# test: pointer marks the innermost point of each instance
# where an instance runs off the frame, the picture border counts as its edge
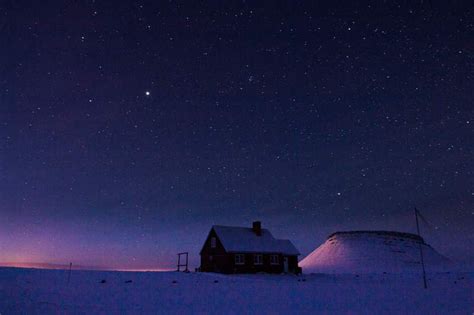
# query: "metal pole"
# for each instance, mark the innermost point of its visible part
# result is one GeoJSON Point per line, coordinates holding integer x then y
{"type": "Point", "coordinates": [421, 250]}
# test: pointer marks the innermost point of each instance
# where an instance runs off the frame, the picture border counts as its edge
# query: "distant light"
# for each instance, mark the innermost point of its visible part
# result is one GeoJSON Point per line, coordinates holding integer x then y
{"type": "Point", "coordinates": [147, 93]}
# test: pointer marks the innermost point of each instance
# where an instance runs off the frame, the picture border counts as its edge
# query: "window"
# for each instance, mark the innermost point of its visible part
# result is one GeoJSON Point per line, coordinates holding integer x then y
{"type": "Point", "coordinates": [239, 259]}
{"type": "Point", "coordinates": [213, 242]}
{"type": "Point", "coordinates": [274, 260]}
{"type": "Point", "coordinates": [257, 259]}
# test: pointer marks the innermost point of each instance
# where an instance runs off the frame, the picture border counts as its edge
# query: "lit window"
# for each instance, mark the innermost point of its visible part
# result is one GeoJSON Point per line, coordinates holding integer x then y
{"type": "Point", "coordinates": [239, 259]}
{"type": "Point", "coordinates": [213, 242]}
{"type": "Point", "coordinates": [257, 259]}
{"type": "Point", "coordinates": [274, 260]}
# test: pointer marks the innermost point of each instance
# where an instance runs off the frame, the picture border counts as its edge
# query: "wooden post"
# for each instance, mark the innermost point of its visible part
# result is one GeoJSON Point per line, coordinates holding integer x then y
{"type": "Point", "coordinates": [186, 263]}
{"type": "Point", "coordinates": [69, 275]}
{"type": "Point", "coordinates": [421, 250]}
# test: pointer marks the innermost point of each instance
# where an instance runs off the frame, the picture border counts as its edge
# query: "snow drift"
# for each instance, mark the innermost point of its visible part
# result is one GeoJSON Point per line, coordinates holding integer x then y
{"type": "Point", "coordinates": [373, 252]}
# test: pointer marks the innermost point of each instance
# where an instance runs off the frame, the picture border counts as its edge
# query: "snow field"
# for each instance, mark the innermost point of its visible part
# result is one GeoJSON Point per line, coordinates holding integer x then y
{"type": "Point", "coordinates": [36, 291]}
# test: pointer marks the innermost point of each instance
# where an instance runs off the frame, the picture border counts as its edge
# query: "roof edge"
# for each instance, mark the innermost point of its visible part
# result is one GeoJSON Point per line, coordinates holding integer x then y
{"type": "Point", "coordinates": [260, 252]}
{"type": "Point", "coordinates": [381, 233]}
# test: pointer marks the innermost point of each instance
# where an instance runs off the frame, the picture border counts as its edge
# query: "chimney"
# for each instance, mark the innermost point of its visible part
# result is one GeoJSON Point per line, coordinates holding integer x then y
{"type": "Point", "coordinates": [257, 227]}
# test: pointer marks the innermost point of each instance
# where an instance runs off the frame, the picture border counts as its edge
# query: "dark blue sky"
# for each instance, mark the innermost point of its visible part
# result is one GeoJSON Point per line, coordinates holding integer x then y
{"type": "Point", "coordinates": [127, 129]}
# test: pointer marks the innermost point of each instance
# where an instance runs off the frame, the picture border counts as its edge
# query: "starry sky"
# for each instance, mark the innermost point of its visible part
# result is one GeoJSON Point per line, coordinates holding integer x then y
{"type": "Point", "coordinates": [129, 128]}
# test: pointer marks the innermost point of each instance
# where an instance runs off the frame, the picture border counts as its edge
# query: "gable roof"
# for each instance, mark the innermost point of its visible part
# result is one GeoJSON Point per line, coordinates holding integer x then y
{"type": "Point", "coordinates": [244, 240]}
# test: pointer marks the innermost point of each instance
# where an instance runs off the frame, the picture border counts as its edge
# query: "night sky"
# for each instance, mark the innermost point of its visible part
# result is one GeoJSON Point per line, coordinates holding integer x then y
{"type": "Point", "coordinates": [129, 128]}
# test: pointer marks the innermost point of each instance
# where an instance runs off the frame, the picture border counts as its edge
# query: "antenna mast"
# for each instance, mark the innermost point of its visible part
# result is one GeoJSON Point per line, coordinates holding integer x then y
{"type": "Point", "coordinates": [421, 249]}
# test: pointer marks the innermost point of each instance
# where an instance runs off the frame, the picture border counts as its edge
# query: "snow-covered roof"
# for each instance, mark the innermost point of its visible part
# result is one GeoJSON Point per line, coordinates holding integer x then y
{"type": "Point", "coordinates": [380, 233]}
{"type": "Point", "coordinates": [245, 240]}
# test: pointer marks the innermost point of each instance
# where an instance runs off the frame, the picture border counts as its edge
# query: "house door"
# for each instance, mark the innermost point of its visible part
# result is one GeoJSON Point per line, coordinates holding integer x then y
{"type": "Point", "coordinates": [285, 264]}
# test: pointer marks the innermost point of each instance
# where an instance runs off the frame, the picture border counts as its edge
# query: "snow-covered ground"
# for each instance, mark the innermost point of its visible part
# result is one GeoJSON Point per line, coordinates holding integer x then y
{"type": "Point", "coordinates": [37, 291]}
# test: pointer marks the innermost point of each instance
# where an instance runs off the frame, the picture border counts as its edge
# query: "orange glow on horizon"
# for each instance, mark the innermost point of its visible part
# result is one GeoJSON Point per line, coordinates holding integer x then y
{"type": "Point", "coordinates": [54, 266]}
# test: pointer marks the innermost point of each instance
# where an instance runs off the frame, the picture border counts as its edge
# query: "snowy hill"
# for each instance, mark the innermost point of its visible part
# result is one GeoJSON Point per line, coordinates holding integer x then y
{"type": "Point", "coordinates": [373, 252]}
{"type": "Point", "coordinates": [36, 291]}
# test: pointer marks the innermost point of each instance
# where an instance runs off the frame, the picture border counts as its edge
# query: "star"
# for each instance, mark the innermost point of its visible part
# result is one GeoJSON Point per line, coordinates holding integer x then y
{"type": "Point", "coordinates": [238, 126]}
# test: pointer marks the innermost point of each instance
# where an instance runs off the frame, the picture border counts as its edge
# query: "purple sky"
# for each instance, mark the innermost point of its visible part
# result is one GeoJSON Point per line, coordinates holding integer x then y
{"type": "Point", "coordinates": [128, 129]}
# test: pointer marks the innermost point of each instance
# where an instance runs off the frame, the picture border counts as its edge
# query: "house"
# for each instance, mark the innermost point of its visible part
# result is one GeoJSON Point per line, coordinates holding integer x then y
{"type": "Point", "coordinates": [230, 249]}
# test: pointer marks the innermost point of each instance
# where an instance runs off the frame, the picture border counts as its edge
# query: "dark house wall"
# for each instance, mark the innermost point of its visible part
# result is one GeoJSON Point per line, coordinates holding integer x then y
{"type": "Point", "coordinates": [218, 260]}
{"type": "Point", "coordinates": [214, 259]}
{"type": "Point", "coordinates": [250, 267]}
{"type": "Point", "coordinates": [293, 264]}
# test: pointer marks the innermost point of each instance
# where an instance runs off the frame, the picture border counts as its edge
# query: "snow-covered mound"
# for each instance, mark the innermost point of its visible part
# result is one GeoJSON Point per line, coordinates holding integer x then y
{"type": "Point", "coordinates": [373, 252]}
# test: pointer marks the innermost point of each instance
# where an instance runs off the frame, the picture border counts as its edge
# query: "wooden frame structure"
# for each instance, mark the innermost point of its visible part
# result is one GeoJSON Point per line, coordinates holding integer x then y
{"type": "Point", "coordinates": [185, 264]}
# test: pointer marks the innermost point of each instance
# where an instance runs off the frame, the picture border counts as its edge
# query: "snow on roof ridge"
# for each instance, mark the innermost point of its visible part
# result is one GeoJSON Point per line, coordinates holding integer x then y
{"type": "Point", "coordinates": [234, 227]}
{"type": "Point", "coordinates": [379, 232]}
{"type": "Point", "coordinates": [243, 239]}
{"type": "Point", "coordinates": [241, 228]}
